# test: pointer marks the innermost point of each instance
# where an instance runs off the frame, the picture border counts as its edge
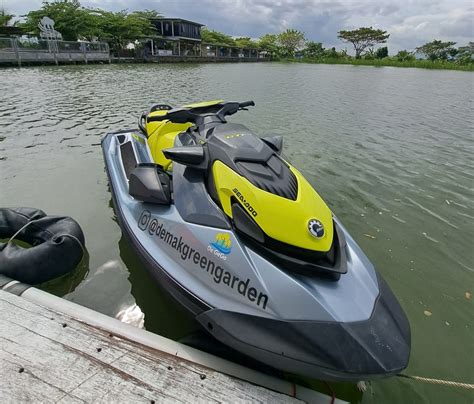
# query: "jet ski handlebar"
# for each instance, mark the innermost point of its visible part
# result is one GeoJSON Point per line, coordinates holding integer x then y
{"type": "Point", "coordinates": [203, 115]}
{"type": "Point", "coordinates": [246, 104]}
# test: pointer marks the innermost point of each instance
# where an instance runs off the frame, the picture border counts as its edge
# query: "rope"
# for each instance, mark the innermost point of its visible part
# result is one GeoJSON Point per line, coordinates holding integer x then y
{"type": "Point", "coordinates": [19, 231]}
{"type": "Point", "coordinates": [59, 235]}
{"type": "Point", "coordinates": [76, 239]}
{"type": "Point", "coordinates": [333, 394]}
{"type": "Point", "coordinates": [439, 381]}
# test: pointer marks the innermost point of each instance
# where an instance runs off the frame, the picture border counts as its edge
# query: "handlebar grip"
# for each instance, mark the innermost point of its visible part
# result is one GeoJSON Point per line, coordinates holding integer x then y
{"type": "Point", "coordinates": [246, 104]}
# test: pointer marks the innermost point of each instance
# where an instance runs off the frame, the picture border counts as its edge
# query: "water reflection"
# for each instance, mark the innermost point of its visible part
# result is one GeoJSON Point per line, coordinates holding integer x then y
{"type": "Point", "coordinates": [105, 289]}
{"type": "Point", "coordinates": [389, 149]}
{"type": "Point", "coordinates": [162, 314]}
{"type": "Point", "coordinates": [67, 283]}
{"type": "Point", "coordinates": [132, 315]}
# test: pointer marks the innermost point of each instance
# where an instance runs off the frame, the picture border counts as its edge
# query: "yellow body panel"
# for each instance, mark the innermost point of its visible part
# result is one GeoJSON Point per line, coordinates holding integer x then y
{"type": "Point", "coordinates": [203, 104]}
{"type": "Point", "coordinates": [280, 218]}
{"type": "Point", "coordinates": [161, 135]}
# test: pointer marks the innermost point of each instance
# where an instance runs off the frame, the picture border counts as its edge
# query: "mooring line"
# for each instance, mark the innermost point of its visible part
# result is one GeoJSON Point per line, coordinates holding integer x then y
{"type": "Point", "coordinates": [439, 381]}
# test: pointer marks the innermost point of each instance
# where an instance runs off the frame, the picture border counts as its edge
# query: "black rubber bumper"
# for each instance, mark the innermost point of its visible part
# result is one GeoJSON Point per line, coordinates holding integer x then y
{"type": "Point", "coordinates": [378, 347]}
{"type": "Point", "coordinates": [56, 245]}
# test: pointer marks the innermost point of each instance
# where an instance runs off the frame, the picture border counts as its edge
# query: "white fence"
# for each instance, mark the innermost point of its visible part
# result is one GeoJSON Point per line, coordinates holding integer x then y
{"type": "Point", "coordinates": [19, 50]}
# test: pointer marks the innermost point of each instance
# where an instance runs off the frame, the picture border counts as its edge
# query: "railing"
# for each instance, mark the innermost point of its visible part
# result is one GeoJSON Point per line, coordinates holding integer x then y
{"type": "Point", "coordinates": [209, 51]}
{"type": "Point", "coordinates": [96, 46]}
{"type": "Point", "coordinates": [6, 43]}
{"type": "Point", "coordinates": [18, 50]}
{"type": "Point", "coordinates": [162, 47]}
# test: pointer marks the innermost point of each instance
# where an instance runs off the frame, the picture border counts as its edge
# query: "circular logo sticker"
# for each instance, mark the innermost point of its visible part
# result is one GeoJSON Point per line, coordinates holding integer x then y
{"type": "Point", "coordinates": [316, 228]}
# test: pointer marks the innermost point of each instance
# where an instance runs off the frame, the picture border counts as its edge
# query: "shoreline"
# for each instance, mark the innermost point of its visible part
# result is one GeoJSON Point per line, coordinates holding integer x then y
{"type": "Point", "coordinates": [124, 60]}
{"type": "Point", "coordinates": [418, 64]}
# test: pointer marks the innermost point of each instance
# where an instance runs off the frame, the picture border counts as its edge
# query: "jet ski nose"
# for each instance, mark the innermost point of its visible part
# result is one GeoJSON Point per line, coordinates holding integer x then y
{"type": "Point", "coordinates": [363, 350]}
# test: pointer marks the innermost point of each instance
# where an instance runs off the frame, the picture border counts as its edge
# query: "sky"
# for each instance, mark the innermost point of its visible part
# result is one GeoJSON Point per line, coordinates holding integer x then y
{"type": "Point", "coordinates": [410, 23]}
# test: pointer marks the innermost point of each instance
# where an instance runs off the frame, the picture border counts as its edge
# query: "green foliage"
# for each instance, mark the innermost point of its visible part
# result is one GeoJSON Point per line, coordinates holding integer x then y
{"type": "Point", "coordinates": [404, 56]}
{"type": "Point", "coordinates": [76, 22]}
{"type": "Point", "coordinates": [147, 14]}
{"type": "Point", "coordinates": [464, 55]}
{"type": "Point", "coordinates": [5, 18]}
{"type": "Point", "coordinates": [71, 20]}
{"type": "Point", "coordinates": [268, 43]}
{"type": "Point", "coordinates": [290, 41]}
{"type": "Point", "coordinates": [245, 42]}
{"type": "Point", "coordinates": [314, 50]}
{"type": "Point", "coordinates": [334, 54]}
{"type": "Point", "coordinates": [381, 52]}
{"type": "Point", "coordinates": [121, 26]}
{"type": "Point", "coordinates": [217, 38]}
{"type": "Point", "coordinates": [437, 49]}
{"type": "Point", "coordinates": [424, 64]}
{"type": "Point", "coordinates": [363, 38]}
{"type": "Point", "coordinates": [369, 54]}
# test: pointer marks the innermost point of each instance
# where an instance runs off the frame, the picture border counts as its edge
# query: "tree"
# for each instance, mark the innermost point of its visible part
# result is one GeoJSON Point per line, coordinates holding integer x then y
{"type": "Point", "coordinates": [121, 26]}
{"type": "Point", "coordinates": [437, 49]}
{"type": "Point", "coordinates": [5, 18]}
{"type": "Point", "coordinates": [404, 56]}
{"type": "Point", "coordinates": [363, 38]}
{"type": "Point", "coordinates": [290, 41]}
{"type": "Point", "coordinates": [334, 54]}
{"type": "Point", "coordinates": [314, 49]}
{"type": "Point", "coordinates": [269, 43]}
{"type": "Point", "coordinates": [70, 19]}
{"type": "Point", "coordinates": [147, 14]}
{"type": "Point", "coordinates": [369, 54]}
{"type": "Point", "coordinates": [245, 42]}
{"type": "Point", "coordinates": [465, 54]}
{"type": "Point", "coordinates": [217, 38]}
{"type": "Point", "coordinates": [76, 22]}
{"type": "Point", "coordinates": [381, 52]}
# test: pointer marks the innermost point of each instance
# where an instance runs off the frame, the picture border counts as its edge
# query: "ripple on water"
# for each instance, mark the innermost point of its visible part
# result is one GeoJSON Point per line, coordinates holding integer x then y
{"type": "Point", "coordinates": [385, 147]}
{"type": "Point", "coordinates": [435, 215]}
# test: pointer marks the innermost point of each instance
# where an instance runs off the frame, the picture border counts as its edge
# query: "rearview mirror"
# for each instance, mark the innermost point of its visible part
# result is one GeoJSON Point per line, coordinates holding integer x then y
{"type": "Point", "coordinates": [275, 142]}
{"type": "Point", "coordinates": [188, 155]}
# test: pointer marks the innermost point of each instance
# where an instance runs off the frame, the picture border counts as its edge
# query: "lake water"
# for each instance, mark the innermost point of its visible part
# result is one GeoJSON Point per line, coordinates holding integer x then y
{"type": "Point", "coordinates": [390, 149]}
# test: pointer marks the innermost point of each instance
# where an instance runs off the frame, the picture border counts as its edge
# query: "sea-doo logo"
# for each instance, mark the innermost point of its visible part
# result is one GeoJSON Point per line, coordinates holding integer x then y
{"type": "Point", "coordinates": [316, 228]}
{"type": "Point", "coordinates": [222, 246]}
{"type": "Point", "coordinates": [245, 203]}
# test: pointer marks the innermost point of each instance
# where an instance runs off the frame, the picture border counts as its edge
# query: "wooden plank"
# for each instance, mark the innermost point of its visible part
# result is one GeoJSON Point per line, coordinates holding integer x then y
{"type": "Point", "coordinates": [48, 356]}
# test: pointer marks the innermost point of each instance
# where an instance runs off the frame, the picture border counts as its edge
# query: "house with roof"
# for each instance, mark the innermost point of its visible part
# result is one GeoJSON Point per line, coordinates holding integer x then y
{"type": "Point", "coordinates": [182, 38]}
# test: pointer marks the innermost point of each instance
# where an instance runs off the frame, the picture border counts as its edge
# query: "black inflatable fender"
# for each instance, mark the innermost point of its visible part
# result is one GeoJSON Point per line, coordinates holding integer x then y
{"type": "Point", "coordinates": [57, 245]}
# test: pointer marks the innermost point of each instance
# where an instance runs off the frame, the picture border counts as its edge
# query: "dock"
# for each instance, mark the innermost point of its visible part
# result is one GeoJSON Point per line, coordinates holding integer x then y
{"type": "Point", "coordinates": [15, 52]}
{"type": "Point", "coordinates": [52, 349]}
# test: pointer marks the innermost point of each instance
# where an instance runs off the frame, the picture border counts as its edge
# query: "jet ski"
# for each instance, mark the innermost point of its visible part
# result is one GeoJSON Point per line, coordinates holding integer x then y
{"type": "Point", "coordinates": [238, 236]}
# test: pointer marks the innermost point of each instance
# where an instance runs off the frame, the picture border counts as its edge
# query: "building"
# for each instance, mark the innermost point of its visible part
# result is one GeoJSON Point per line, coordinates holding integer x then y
{"type": "Point", "coordinates": [8, 31]}
{"type": "Point", "coordinates": [182, 38]}
{"type": "Point", "coordinates": [176, 36]}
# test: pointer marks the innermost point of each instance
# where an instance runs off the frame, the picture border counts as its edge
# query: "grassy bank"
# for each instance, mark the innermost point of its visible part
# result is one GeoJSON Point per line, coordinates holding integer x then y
{"type": "Point", "coordinates": [423, 64]}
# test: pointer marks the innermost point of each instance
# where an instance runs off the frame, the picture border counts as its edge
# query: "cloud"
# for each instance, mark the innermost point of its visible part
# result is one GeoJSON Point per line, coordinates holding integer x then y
{"type": "Point", "coordinates": [410, 23]}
